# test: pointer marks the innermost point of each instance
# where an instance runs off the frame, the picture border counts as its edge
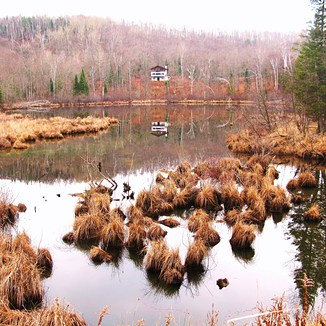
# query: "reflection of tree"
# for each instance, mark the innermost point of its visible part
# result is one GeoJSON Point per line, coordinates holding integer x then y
{"type": "Point", "coordinates": [310, 241]}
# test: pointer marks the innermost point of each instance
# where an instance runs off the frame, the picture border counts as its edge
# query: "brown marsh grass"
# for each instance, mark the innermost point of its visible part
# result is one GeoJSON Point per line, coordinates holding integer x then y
{"type": "Point", "coordinates": [253, 199]}
{"type": "Point", "coordinates": [98, 255]}
{"type": "Point", "coordinates": [186, 197]}
{"type": "Point", "coordinates": [113, 234]}
{"type": "Point", "coordinates": [243, 235]}
{"type": "Point", "coordinates": [231, 217]}
{"type": "Point", "coordinates": [275, 198]}
{"type": "Point", "coordinates": [87, 228]}
{"type": "Point", "coordinates": [170, 222]}
{"type": "Point", "coordinates": [172, 270]}
{"type": "Point", "coordinates": [208, 198]}
{"type": "Point", "coordinates": [22, 131]}
{"type": "Point", "coordinates": [69, 238]}
{"type": "Point", "coordinates": [196, 253]}
{"type": "Point", "coordinates": [197, 219]}
{"type": "Point", "coordinates": [155, 255]}
{"type": "Point", "coordinates": [44, 262]}
{"type": "Point", "coordinates": [284, 140]}
{"type": "Point", "coordinates": [313, 214]}
{"type": "Point", "coordinates": [8, 214]}
{"type": "Point", "coordinates": [231, 197]}
{"type": "Point", "coordinates": [307, 180]}
{"type": "Point", "coordinates": [55, 315]}
{"type": "Point", "coordinates": [208, 235]}
{"type": "Point", "coordinates": [136, 236]}
{"type": "Point", "coordinates": [155, 232]}
{"type": "Point", "coordinates": [21, 286]}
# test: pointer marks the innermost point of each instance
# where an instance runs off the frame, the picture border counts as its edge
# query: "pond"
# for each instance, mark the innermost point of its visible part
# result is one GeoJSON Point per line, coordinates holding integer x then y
{"type": "Point", "coordinates": [45, 176]}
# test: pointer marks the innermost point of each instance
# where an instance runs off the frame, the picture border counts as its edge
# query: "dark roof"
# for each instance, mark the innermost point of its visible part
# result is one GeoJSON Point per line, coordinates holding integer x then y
{"type": "Point", "coordinates": [158, 68]}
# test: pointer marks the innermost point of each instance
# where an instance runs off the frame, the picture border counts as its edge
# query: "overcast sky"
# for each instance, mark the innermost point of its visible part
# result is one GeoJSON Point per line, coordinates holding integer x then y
{"type": "Point", "coordinates": [208, 15]}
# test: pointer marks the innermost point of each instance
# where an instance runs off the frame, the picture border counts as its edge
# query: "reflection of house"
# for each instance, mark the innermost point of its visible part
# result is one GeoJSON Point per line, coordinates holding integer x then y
{"type": "Point", "coordinates": [159, 73]}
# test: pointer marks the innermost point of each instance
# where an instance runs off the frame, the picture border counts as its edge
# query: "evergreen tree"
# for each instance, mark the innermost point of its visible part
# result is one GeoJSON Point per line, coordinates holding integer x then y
{"type": "Point", "coordinates": [1, 95]}
{"type": "Point", "coordinates": [83, 86]}
{"type": "Point", "coordinates": [76, 86]}
{"type": "Point", "coordinates": [51, 87]}
{"type": "Point", "coordinates": [310, 69]}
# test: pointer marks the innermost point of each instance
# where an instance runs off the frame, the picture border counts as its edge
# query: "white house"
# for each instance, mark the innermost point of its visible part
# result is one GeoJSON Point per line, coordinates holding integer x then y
{"type": "Point", "coordinates": [159, 73]}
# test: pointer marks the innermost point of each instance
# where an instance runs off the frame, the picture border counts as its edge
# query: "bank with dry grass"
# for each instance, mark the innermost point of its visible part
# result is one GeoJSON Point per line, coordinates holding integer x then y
{"type": "Point", "coordinates": [283, 140]}
{"type": "Point", "coordinates": [19, 132]}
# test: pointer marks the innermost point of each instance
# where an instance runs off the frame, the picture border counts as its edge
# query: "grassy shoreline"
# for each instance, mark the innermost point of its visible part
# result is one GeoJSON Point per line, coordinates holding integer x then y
{"type": "Point", "coordinates": [18, 132]}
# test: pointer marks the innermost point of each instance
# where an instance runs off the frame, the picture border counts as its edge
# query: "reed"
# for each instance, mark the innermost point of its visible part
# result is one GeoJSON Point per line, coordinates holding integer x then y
{"type": "Point", "coordinates": [21, 285]}
{"type": "Point", "coordinates": [137, 236]}
{"type": "Point", "coordinates": [196, 253]}
{"type": "Point", "coordinates": [170, 222]}
{"type": "Point", "coordinates": [208, 198]}
{"type": "Point", "coordinates": [87, 228]}
{"type": "Point", "coordinates": [113, 234]}
{"type": "Point", "coordinates": [208, 235]}
{"type": "Point", "coordinates": [172, 270]}
{"type": "Point", "coordinates": [155, 232]}
{"type": "Point", "coordinates": [243, 235]}
{"type": "Point", "coordinates": [313, 214]}
{"type": "Point", "coordinates": [54, 315]}
{"type": "Point", "coordinates": [197, 219]}
{"type": "Point", "coordinates": [155, 256]}
{"type": "Point", "coordinates": [44, 262]}
{"type": "Point", "coordinates": [307, 180]}
{"type": "Point", "coordinates": [98, 255]}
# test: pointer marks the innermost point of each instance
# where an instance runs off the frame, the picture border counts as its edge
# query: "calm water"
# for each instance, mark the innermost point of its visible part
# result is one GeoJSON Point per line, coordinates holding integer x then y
{"type": "Point", "coordinates": [284, 249]}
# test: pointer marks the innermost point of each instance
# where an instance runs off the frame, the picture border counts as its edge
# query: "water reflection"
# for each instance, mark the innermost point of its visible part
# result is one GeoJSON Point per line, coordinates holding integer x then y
{"type": "Point", "coordinates": [310, 241]}
{"type": "Point", "coordinates": [129, 153]}
{"type": "Point", "coordinates": [192, 136]}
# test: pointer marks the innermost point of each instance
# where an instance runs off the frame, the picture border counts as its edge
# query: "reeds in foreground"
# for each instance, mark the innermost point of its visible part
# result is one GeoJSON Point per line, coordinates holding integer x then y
{"type": "Point", "coordinates": [313, 214]}
{"type": "Point", "coordinates": [44, 262]}
{"type": "Point", "coordinates": [196, 253]}
{"type": "Point", "coordinates": [51, 316]}
{"type": "Point", "coordinates": [243, 235]}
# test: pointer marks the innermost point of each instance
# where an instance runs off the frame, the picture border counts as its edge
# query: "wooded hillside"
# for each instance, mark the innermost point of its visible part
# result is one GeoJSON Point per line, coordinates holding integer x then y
{"type": "Point", "coordinates": [43, 58]}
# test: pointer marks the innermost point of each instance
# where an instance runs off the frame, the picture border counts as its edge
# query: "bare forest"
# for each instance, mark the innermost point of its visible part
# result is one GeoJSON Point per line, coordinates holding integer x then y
{"type": "Point", "coordinates": [41, 57]}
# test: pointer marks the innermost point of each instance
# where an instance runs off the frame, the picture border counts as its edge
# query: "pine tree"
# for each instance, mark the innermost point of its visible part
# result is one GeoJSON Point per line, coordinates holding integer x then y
{"type": "Point", "coordinates": [83, 86]}
{"type": "Point", "coordinates": [1, 95]}
{"type": "Point", "coordinates": [309, 82]}
{"type": "Point", "coordinates": [76, 86]}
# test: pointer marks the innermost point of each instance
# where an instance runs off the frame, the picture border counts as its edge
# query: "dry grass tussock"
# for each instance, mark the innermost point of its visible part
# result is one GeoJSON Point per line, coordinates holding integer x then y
{"type": "Point", "coordinates": [196, 253]}
{"type": "Point", "coordinates": [243, 235]}
{"type": "Point", "coordinates": [282, 141]}
{"type": "Point", "coordinates": [113, 234]}
{"type": "Point", "coordinates": [55, 315]}
{"type": "Point", "coordinates": [155, 255]}
{"type": "Point", "coordinates": [313, 214]}
{"type": "Point", "coordinates": [208, 235]}
{"type": "Point", "coordinates": [208, 198]}
{"type": "Point", "coordinates": [19, 131]}
{"type": "Point", "coordinates": [137, 236]}
{"type": "Point", "coordinates": [197, 219]}
{"type": "Point", "coordinates": [172, 269]}
{"type": "Point", "coordinates": [21, 270]}
{"type": "Point", "coordinates": [98, 255]}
